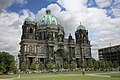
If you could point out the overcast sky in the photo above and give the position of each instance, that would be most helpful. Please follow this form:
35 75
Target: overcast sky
100 17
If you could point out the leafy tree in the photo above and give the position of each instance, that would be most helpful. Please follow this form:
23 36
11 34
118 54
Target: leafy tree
111 64
33 66
7 59
104 65
107 66
115 64
50 66
57 66
23 66
90 65
96 65
85 64
65 65
13 67
41 66
72 66
2 67
101 64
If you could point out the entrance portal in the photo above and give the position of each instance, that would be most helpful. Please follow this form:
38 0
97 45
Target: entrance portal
61 55
30 62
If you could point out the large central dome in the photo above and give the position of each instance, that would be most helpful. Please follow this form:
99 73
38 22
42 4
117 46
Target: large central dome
48 19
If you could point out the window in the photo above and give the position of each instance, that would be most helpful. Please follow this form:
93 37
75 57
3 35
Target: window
42 21
31 30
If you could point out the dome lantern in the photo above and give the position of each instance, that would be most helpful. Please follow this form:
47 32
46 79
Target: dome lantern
81 27
48 11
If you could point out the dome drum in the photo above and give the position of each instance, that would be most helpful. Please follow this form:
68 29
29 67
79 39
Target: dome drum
48 19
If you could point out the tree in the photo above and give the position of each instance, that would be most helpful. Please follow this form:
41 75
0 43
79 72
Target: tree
2 68
85 64
72 66
13 67
7 59
50 66
96 65
23 67
65 65
101 65
107 66
115 64
41 66
104 65
111 64
33 66
90 64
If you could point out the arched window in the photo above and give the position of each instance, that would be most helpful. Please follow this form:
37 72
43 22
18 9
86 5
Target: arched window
31 30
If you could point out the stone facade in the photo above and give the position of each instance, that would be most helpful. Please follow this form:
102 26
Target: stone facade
111 53
45 41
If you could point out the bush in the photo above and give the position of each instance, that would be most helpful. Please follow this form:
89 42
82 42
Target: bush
41 66
50 66
57 66
33 66
23 67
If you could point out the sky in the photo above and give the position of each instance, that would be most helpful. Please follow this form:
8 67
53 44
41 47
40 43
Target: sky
100 17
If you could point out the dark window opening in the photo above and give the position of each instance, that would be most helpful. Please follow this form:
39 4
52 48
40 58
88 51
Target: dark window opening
42 20
31 30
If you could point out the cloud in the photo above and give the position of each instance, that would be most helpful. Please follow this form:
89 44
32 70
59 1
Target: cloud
113 6
7 3
71 5
10 30
104 3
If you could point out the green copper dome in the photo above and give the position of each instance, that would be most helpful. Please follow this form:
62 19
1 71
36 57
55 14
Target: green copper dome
29 20
48 19
81 27
60 32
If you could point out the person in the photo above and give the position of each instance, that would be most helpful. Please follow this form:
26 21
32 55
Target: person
83 72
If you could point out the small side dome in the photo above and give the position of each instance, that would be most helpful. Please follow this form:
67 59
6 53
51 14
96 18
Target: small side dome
81 27
60 32
48 19
30 20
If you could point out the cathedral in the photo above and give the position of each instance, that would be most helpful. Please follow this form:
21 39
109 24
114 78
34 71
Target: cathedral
44 41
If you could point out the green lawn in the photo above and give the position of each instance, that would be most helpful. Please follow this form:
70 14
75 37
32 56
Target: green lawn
64 77
113 74
61 76
9 76
79 72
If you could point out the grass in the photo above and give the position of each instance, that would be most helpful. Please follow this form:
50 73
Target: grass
61 76
113 74
9 76
79 72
